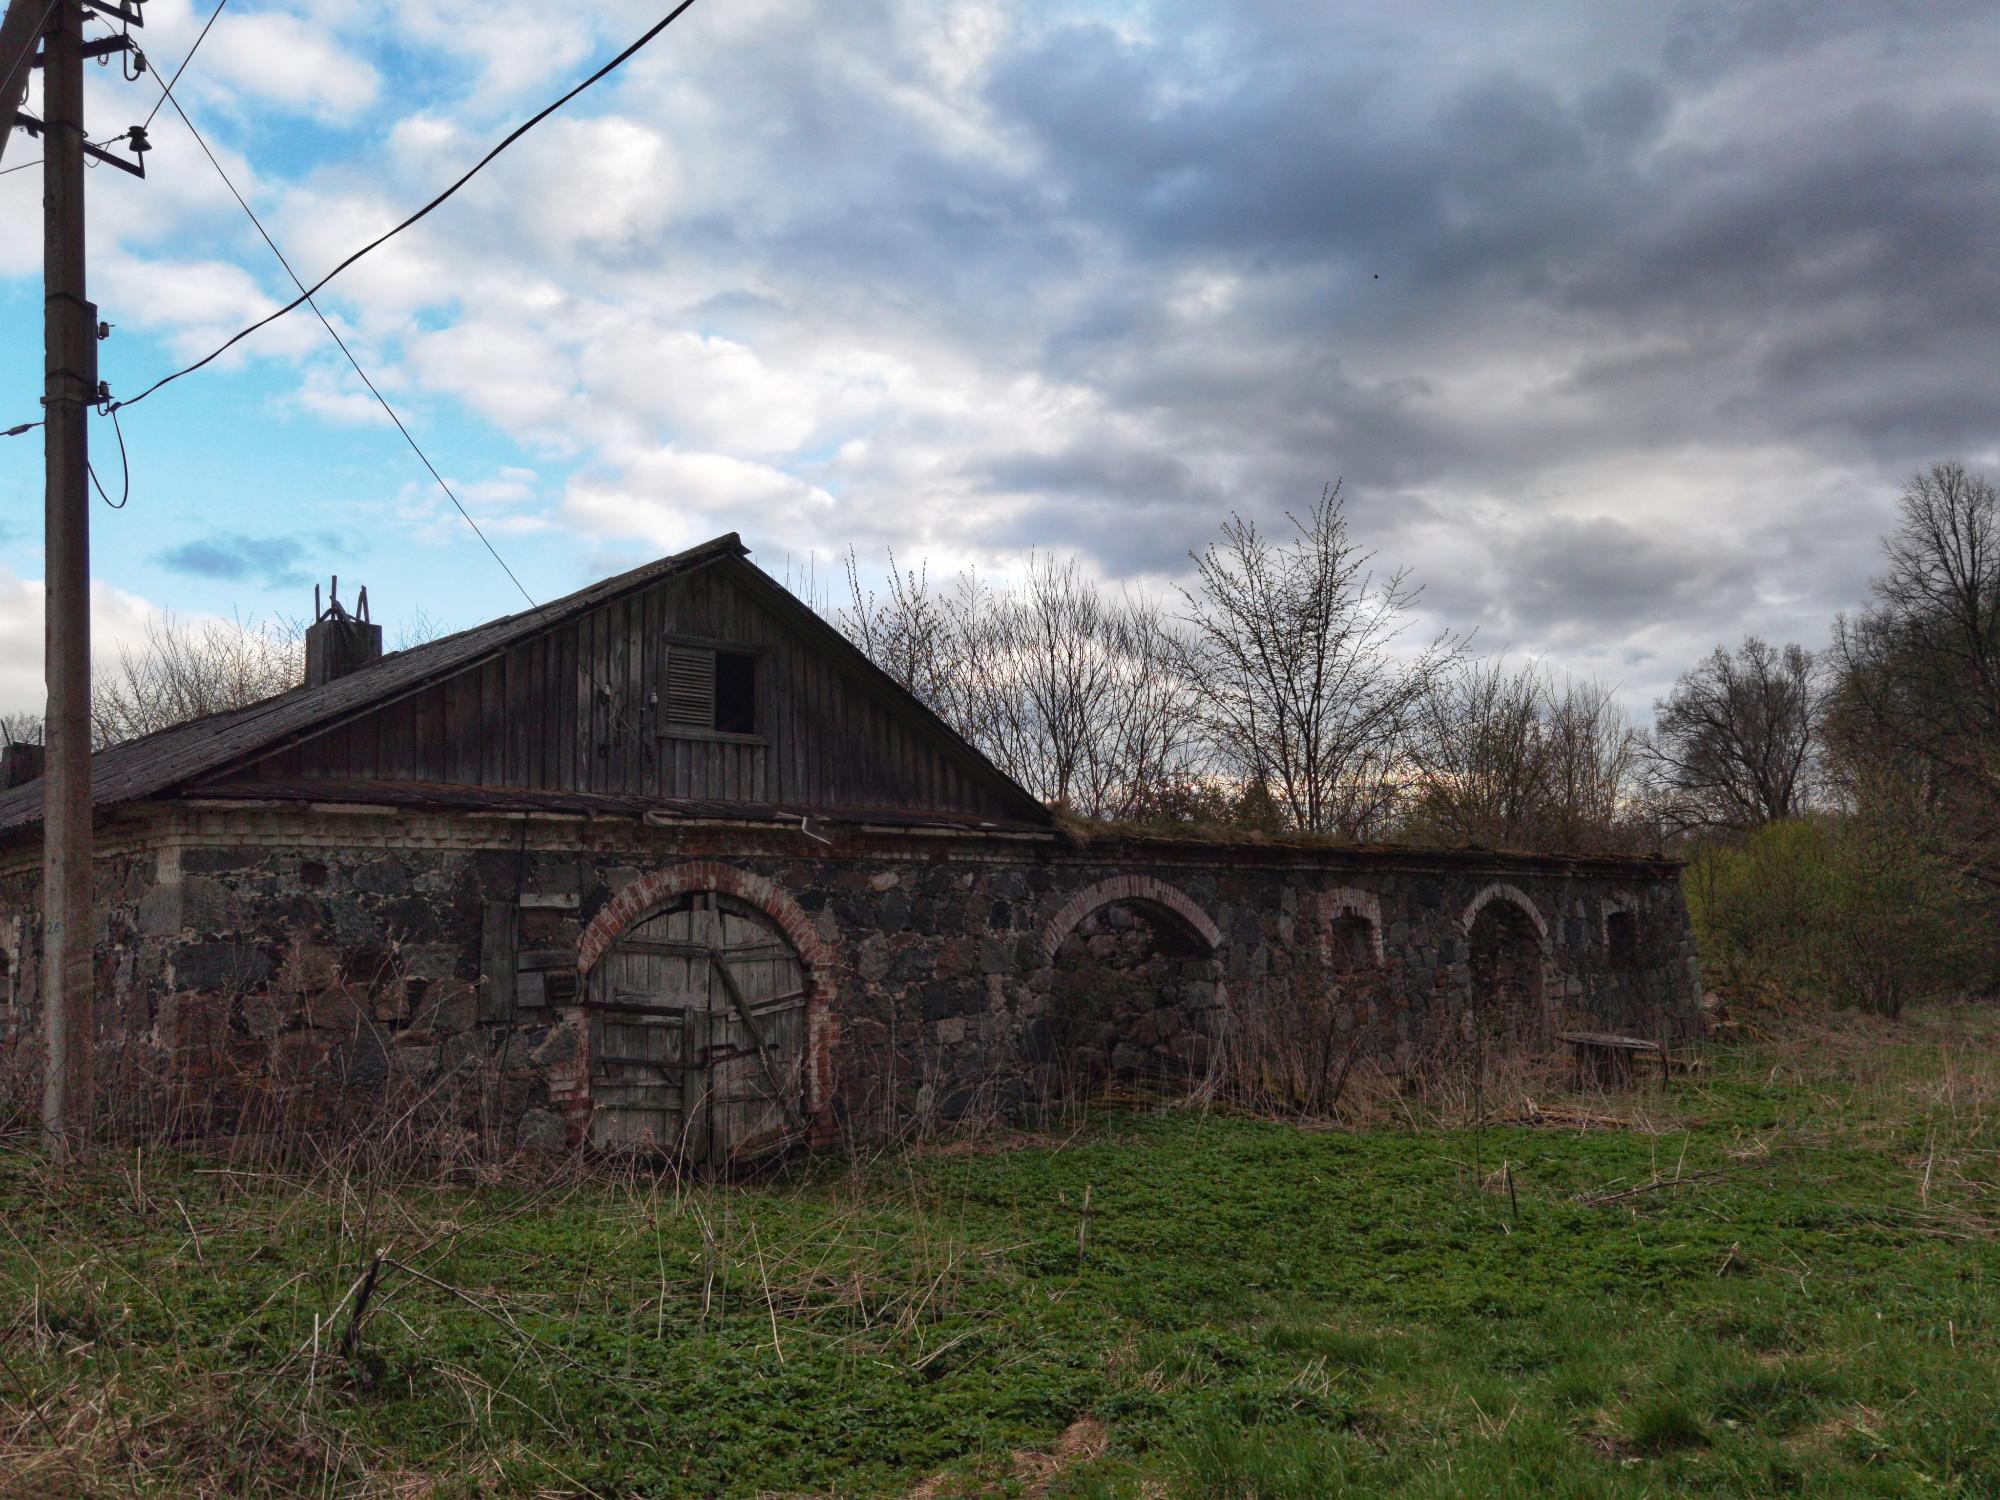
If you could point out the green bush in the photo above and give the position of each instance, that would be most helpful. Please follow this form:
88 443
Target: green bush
1844 909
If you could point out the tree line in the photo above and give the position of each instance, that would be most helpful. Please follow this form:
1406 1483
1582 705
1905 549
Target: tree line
1280 689
1840 808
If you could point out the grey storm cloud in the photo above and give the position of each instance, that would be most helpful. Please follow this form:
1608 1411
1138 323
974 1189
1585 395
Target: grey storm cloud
1617 322
1500 271
1614 575
1717 276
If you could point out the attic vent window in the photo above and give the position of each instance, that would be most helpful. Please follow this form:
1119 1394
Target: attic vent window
711 691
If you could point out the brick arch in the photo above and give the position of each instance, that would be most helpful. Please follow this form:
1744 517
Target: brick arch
1499 890
1350 901
648 893
1128 888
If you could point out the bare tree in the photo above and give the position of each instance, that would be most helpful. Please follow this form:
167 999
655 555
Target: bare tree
1736 743
190 670
1480 756
1513 758
21 729
1071 693
1918 700
1291 655
908 631
1076 708
1593 762
420 629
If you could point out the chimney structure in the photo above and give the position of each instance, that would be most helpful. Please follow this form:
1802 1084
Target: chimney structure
338 642
19 764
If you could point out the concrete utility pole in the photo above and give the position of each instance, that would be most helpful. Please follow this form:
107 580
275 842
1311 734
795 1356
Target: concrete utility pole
69 334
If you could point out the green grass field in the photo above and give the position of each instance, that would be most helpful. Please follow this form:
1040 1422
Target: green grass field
1777 1277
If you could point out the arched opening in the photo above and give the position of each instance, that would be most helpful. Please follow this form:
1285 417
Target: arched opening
1134 997
699 1041
1508 1008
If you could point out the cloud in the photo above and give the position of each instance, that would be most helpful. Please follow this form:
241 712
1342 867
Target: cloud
289 64
1622 326
270 561
674 499
118 621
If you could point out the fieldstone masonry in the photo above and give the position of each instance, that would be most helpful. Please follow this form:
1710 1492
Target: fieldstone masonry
264 965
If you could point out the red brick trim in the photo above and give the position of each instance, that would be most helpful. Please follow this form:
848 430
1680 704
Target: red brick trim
1348 901
1142 888
1501 891
650 892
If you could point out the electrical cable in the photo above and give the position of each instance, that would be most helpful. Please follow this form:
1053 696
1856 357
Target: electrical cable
167 94
305 292
167 91
124 462
23 166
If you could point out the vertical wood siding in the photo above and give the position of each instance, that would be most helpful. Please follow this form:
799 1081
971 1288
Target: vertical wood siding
567 711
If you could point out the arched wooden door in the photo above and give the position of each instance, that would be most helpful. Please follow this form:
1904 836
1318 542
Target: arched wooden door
698 1037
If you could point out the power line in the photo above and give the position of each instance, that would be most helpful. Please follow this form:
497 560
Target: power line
23 166
167 95
305 292
125 463
167 89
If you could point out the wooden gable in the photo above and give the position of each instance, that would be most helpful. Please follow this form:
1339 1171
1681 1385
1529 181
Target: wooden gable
712 684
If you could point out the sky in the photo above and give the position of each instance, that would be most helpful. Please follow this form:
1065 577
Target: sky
1620 325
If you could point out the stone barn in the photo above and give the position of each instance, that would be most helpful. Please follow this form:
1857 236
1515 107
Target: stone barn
668 863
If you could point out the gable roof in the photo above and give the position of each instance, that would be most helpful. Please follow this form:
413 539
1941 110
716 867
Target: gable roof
205 748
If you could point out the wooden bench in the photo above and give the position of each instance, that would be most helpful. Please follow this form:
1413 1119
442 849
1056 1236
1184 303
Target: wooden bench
1607 1057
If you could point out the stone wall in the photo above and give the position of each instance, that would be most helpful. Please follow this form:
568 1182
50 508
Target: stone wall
261 966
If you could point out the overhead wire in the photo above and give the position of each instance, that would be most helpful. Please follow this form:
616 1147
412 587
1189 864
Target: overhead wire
167 95
23 166
334 333
305 292
124 462
166 91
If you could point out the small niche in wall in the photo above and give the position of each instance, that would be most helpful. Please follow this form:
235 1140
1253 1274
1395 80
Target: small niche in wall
1351 943
1621 940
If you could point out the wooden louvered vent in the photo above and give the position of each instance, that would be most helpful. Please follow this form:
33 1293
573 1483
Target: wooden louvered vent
691 687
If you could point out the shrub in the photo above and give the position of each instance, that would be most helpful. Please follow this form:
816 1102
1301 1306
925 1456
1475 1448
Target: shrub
1843 909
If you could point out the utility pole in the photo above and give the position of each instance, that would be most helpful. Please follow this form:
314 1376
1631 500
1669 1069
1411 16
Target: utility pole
70 332
69 335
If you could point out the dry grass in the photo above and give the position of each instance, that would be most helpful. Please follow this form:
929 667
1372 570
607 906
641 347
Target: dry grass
198 1325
